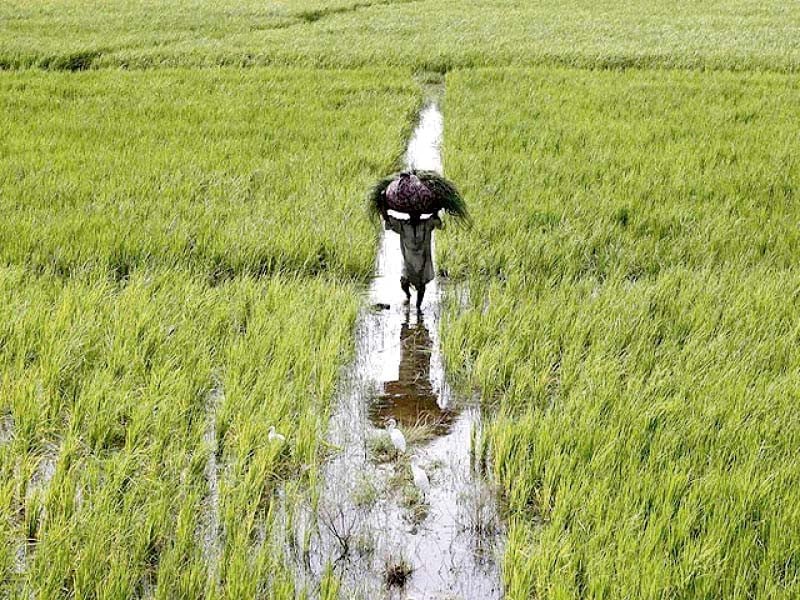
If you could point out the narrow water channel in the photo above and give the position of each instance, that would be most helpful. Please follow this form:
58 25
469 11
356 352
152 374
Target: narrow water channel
380 535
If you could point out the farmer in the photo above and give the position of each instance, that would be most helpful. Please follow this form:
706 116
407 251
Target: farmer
416 193
416 235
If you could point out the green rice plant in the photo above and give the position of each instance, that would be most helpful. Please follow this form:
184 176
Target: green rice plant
620 174
81 32
632 309
426 35
280 370
109 385
365 493
380 448
166 297
97 388
330 585
224 172
143 352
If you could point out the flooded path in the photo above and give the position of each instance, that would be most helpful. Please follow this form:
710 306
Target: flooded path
381 535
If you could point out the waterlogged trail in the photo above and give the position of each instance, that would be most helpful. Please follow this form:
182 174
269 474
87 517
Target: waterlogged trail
381 536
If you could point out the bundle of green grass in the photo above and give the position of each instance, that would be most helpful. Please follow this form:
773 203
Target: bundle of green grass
418 192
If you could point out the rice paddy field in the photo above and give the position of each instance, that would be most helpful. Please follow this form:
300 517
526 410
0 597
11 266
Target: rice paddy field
184 251
422 34
222 172
633 312
142 361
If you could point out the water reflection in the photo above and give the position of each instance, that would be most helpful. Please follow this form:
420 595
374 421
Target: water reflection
411 398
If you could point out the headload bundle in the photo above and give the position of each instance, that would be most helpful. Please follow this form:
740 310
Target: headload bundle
418 192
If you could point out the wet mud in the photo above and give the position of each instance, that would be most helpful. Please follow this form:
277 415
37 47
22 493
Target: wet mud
38 484
383 536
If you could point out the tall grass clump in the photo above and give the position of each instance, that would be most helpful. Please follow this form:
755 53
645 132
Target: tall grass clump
633 290
281 370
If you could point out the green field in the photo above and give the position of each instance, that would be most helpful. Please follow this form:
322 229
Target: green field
223 171
634 313
184 247
422 34
112 389
165 300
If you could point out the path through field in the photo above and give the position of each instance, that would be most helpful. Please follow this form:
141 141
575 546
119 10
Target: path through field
371 524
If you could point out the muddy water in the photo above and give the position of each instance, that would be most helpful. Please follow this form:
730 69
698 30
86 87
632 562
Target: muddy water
384 538
37 485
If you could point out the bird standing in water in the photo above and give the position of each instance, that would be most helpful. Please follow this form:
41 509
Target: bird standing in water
397 437
420 478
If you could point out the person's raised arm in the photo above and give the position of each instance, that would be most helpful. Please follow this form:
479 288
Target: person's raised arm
391 223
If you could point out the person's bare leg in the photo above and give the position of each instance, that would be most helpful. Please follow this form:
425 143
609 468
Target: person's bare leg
420 295
405 285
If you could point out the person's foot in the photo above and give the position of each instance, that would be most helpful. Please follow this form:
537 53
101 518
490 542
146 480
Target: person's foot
406 288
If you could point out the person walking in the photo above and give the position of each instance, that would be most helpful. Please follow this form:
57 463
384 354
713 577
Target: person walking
416 240
416 193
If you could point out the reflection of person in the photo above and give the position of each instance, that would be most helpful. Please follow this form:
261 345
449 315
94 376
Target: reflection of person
410 399
415 243
415 357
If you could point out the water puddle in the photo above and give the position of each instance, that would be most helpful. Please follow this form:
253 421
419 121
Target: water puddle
210 533
39 482
380 534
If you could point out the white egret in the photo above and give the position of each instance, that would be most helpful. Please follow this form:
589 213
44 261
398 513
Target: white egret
397 437
274 436
420 478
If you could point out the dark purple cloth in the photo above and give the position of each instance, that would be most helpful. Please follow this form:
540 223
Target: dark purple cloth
408 194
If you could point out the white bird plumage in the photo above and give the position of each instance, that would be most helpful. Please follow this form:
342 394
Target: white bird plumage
397 437
420 478
274 436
